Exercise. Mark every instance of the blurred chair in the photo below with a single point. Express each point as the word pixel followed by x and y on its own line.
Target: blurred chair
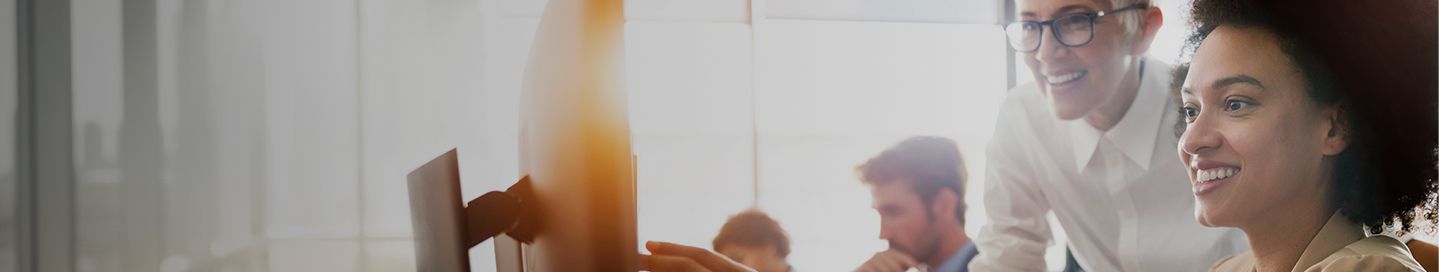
pixel 1425 253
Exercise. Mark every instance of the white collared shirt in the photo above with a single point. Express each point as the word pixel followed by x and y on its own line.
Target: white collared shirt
pixel 1121 196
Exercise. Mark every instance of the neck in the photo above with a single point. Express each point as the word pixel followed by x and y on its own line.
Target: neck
pixel 951 241
pixel 1279 242
pixel 1109 114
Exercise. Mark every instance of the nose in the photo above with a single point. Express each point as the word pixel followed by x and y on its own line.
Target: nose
pixel 1049 47
pixel 1200 136
pixel 884 231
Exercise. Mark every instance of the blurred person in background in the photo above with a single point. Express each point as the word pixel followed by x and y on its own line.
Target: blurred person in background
pixel 754 239
pixel 918 189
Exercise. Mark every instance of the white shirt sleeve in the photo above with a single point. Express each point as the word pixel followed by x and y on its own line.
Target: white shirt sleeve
pixel 1017 233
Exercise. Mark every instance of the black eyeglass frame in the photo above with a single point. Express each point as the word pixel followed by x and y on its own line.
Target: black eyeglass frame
pixel 1093 19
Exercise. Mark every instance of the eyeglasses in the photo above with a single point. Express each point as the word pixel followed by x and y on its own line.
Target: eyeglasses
pixel 1073 30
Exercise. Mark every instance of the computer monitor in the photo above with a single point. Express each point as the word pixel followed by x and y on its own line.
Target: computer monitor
pixel 437 214
pixel 574 148
pixel 575 141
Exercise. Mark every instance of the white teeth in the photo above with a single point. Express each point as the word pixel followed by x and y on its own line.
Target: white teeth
pixel 1065 78
pixel 1215 174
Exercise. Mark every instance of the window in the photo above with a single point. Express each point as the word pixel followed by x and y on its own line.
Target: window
pixel 825 96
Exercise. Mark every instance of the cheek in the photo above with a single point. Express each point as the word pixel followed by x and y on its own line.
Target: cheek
pixel 1246 141
pixel 1035 68
pixel 900 226
pixel 1103 61
pixel 1265 151
pixel 1108 52
pixel 1278 148
pixel 1111 38
pixel 909 225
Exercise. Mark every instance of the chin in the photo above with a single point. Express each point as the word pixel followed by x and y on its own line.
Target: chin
pixel 1203 221
pixel 1067 112
pixel 1207 218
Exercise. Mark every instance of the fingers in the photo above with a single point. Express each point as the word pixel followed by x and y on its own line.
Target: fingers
pixel 888 261
pixel 701 256
pixel 662 263
pixel 705 258
pixel 904 260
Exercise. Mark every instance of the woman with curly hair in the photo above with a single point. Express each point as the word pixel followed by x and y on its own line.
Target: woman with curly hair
pixel 1311 127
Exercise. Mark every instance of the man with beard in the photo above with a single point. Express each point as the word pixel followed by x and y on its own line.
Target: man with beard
pixel 918 190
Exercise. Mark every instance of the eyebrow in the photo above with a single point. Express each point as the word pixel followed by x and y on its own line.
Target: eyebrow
pixel 1061 11
pixel 1231 80
pixel 1236 79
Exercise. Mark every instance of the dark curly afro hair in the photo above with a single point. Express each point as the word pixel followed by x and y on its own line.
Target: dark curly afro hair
pixel 1380 60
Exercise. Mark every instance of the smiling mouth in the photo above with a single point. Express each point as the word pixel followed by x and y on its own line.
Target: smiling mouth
pixel 1065 78
pixel 1215 174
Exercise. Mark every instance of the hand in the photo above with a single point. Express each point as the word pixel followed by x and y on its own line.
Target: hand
pixel 669 257
pixel 888 261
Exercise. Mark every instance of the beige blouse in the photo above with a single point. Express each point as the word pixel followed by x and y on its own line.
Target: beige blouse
pixel 1339 246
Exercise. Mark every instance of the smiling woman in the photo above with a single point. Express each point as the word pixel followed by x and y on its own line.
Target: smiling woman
pixel 1308 141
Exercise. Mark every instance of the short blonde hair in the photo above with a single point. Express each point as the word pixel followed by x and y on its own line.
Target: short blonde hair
pixel 1130 20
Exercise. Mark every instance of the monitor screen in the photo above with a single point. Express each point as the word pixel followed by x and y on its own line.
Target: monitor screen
pixel 436 211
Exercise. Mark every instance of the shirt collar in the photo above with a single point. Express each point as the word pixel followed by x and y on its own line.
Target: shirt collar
pixel 1137 130
pixel 1336 233
pixel 958 261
